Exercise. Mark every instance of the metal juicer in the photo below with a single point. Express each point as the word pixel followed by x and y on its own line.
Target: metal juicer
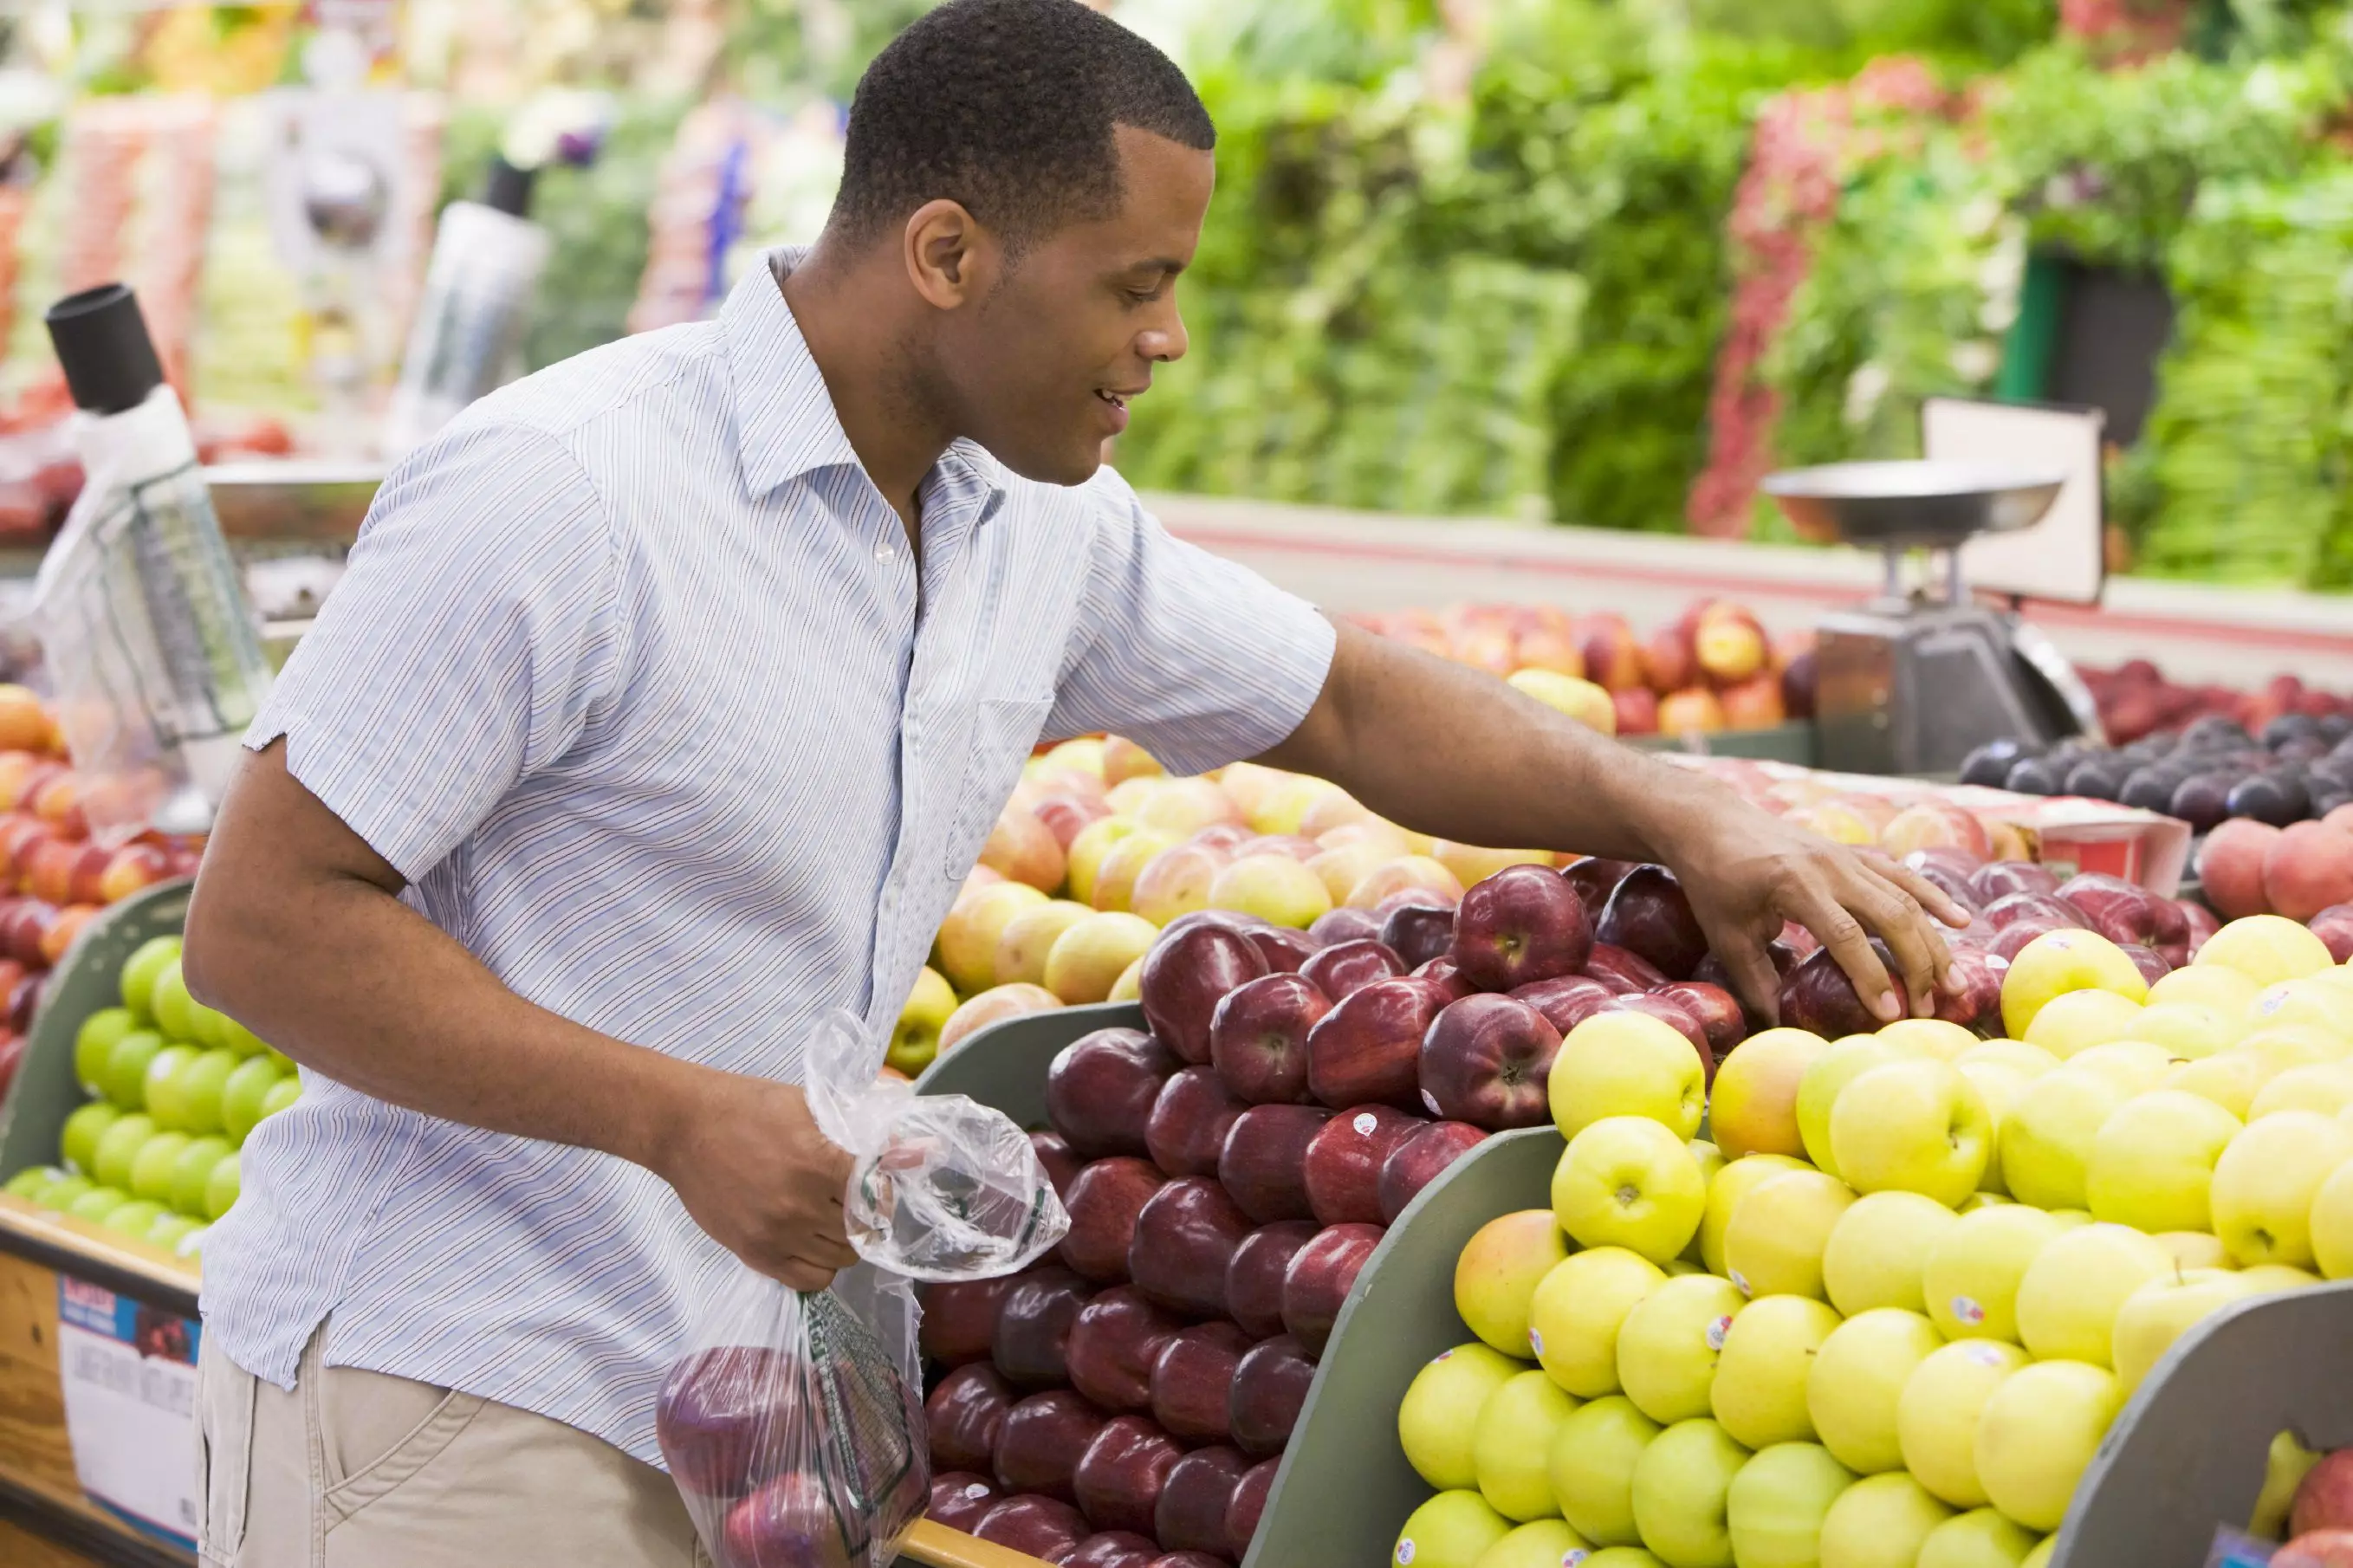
pixel 1918 676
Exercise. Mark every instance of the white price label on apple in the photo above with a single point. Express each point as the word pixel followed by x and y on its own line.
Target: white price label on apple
pixel 130 1377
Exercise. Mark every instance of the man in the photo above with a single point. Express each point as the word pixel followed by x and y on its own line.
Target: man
pixel 669 697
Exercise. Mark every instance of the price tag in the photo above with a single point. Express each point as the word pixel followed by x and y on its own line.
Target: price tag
pixel 130 1377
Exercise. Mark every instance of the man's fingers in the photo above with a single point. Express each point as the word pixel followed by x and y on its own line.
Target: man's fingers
pixel 1753 978
pixel 798 1275
pixel 1924 892
pixel 826 1251
pixel 1849 945
pixel 1899 923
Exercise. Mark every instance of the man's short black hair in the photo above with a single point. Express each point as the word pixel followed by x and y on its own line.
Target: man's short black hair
pixel 1006 107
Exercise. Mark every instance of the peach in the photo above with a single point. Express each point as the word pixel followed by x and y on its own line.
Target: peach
pixel 1406 873
pixel 133 867
pixel 1024 850
pixel 1083 755
pixel 1087 959
pixel 1935 825
pixel 1176 882
pixel 1120 865
pixel 1491 649
pixel 1755 704
pixel 1472 865
pixel 2341 819
pixel 2007 841
pixel 1668 664
pixel 1386 836
pixel 2307 868
pixel 1581 699
pixel 1122 760
pixel 1127 797
pixel 2231 866
pixel 1694 710
pixel 17 774
pixel 1728 645
pixel 966 943
pixel 90 861
pixel 62 931
pixel 1551 648
pixel 1332 811
pixel 1064 813
pixel 1293 845
pixel 1272 886
pixel 1248 784
pixel 1341 868
pixel 994 1007
pixel 1284 808
pixel 1188 805
pixel 1612 659
pixel 22 723
pixel 976 878
pixel 1637 710
pixel 49 869
pixel 1028 937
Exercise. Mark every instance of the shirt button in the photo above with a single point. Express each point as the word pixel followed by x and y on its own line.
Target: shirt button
pixel 883 552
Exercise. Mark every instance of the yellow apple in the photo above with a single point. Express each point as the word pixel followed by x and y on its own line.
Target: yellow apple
pixel 1775 1509
pixel 1626 1064
pixel 1998 1084
pixel 1880 1522
pixel 1440 1411
pixel 2312 1001
pixel 1087 959
pixel 2068 1300
pixel 2133 1065
pixel 1857 1378
pixel 2154 1158
pixel 1591 1463
pixel 1128 792
pixel 1878 1249
pixel 1630 1181
pixel 1934 1036
pixel 2057 963
pixel 1774 1245
pixel 1406 873
pixel 1121 861
pixel 1509 1444
pixel 1247 784
pixel 2285 1465
pixel 1668 1345
pixel 1342 867
pixel 1028 938
pixel 1588 704
pixel 1184 807
pixel 1981 1537
pixel 1498 1272
pixel 1283 806
pixel 1681 1485
pixel 2032 1062
pixel 915 1039
pixel 2267 949
pixel 1274 887
pixel 1972 1274
pixel 2194 1248
pixel 1725 1190
pixel 2228 1079
pixel 2041 1556
pixel 968 936
pixel 2188 1030
pixel 1754 1107
pixel 1452 1530
pixel 2038 1432
pixel 2046 1139
pixel 1539 1543
pixel 2271 1278
pixel 2331 1223
pixel 1574 1316
pixel 2327 1088
pixel 2212 985
pixel 994 1006
pixel 1936 1415
pixel 1473 864
pixel 1087 851
pixel 2075 1021
pixel 1759 1392
pixel 1129 987
pixel 1827 1075
pixel 2160 1311
pixel 2265 1181
pixel 2275 1051
pixel 1916 1126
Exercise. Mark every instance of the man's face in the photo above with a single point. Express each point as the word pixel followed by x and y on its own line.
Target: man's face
pixel 1043 367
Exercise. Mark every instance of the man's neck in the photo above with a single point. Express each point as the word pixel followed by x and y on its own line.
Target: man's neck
pixel 850 325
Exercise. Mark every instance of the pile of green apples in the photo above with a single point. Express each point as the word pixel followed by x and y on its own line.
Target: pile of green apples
pixel 1884 1316
pixel 174 1088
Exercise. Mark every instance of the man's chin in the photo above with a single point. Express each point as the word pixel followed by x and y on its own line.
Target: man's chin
pixel 1067 469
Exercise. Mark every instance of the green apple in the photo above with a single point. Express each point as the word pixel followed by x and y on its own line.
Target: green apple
pixel 282 1094
pixel 203 1087
pixel 1916 1126
pixel 173 1009
pixel 1759 1392
pixel 1592 1461
pixel 1667 1346
pixel 1878 1249
pixel 1936 1415
pixel 1630 1181
pixel 285 1063
pixel 1880 1522
pixel 170 1229
pixel 126 1067
pixel 95 1204
pixel 2152 1160
pixel 1680 1484
pixel 134 1218
pixel 1574 1316
pixel 2068 1300
pixel 1972 1274
pixel 1775 1242
pixel 242 1094
pixel 94 1043
pixel 118 1146
pixel 2331 1222
pixel 2162 1311
pixel 2265 1181
pixel 2135 1064
pixel 221 1187
pixel 2046 1139
pixel 1826 1076
pixel 1775 1509
pixel 2041 1556
pixel 226 1031
pixel 915 1040
pixel 160 1090
pixel 1450 1531
pixel 1622 1557
pixel 1512 1442
pixel 1980 1538
pixel 192 1169
pixel 32 1181
pixel 2058 962
pixel 1440 1411
pixel 63 1194
pixel 1539 1543
pixel 2037 1433
pixel 1497 1273
pixel 84 1127
pixel 1626 1063
pixel 151 1167
pixel 1856 1382
pixel 1725 1190
pixel 140 971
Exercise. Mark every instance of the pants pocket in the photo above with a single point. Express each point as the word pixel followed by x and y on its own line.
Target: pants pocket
pixel 357 1410
pixel 225 1402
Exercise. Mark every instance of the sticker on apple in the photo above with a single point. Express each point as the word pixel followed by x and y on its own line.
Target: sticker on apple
pixel 1965 1310
pixel 1740 1283
pixel 1717 1330
pixel 1364 1123
pixel 1535 1344
pixel 1405 1548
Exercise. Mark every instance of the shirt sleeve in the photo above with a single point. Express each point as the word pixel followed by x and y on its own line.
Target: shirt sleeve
pixel 1201 661
pixel 473 630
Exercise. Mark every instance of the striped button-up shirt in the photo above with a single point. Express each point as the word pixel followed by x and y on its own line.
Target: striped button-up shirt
pixel 634 679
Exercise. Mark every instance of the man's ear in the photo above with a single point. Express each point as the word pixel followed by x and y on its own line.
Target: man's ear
pixel 951 258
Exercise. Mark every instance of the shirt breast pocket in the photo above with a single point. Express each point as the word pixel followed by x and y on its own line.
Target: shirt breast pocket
pixel 1004 732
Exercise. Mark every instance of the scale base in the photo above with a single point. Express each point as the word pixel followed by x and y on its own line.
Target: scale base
pixel 1915 691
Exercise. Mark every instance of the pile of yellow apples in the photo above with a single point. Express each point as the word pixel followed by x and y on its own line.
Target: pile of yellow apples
pixel 1886 1313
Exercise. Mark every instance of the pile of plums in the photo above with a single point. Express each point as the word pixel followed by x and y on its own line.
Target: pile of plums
pixel 2301 767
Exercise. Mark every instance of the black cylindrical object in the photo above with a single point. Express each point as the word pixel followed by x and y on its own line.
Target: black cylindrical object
pixel 509 190
pixel 102 344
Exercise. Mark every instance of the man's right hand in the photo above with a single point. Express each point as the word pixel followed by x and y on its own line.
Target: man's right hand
pixel 747 1161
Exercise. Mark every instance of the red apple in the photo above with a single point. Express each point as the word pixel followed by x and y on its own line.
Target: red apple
pixel 86 884
pixel 2011 939
pixel 1040 1526
pixel 1257 1037
pixel 25 927
pixel 1264 1163
pixel 1975 998
pixel 1716 1009
pixel 1188 1124
pixel 1103 1204
pixel 1817 995
pixel 1419 931
pixel 1099 1088
pixel 1347 967
pixel 1061 1161
pixel 1624 971
pixel 1342 1166
pixel 1255 1274
pixel 2201 923
pixel 1649 916
pixel 1368 1047
pixel 1249 1507
pixel 716 1416
pixel 1613 659
pixel 964 1416
pixel 1187 974
pixel 1112 1548
pixel 1038 1447
pixel 1065 812
pixel 959 1498
pixel 1521 925
pixel 1118 1476
pixel 1284 950
pixel 1188 1560
pixel 1112 1345
pixel 2054 911
pixel 2124 912
pixel 1344 925
pixel 1994 882
pixel 2318 1548
pixel 790 1520
pixel 1190 1379
pixel 1200 1490
pixel 1033 1326
pixel 1441 973
pixel 1566 1002
pixel 2324 1499
pixel 1667 661
pixel 2333 926
pixel 1669 1011
pixel 1637 710
pixel 1484 1060
pixel 1594 880
pixel 2152 964
pixel 1416 1162
pixel 1186 1237
pixel 960 1319
pixel 1321 1274
pixel 1269 1387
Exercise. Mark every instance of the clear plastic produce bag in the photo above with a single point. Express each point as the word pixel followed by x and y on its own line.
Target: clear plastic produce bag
pixel 795 1428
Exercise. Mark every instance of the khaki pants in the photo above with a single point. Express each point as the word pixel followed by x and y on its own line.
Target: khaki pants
pixel 356 1469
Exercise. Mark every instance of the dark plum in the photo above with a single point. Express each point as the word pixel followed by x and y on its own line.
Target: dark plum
pixel 2034 776
pixel 2203 800
pixel 1990 763
pixel 2276 799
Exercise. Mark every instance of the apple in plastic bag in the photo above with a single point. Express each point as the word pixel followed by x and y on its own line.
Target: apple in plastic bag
pixel 788 1523
pixel 717 1418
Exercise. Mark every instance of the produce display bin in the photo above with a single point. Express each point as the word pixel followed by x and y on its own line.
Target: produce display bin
pixel 1793 742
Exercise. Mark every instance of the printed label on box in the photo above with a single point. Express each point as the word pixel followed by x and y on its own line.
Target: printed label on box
pixel 129 1377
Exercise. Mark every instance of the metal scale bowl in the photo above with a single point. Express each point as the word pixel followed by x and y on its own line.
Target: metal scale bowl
pixel 1917 679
